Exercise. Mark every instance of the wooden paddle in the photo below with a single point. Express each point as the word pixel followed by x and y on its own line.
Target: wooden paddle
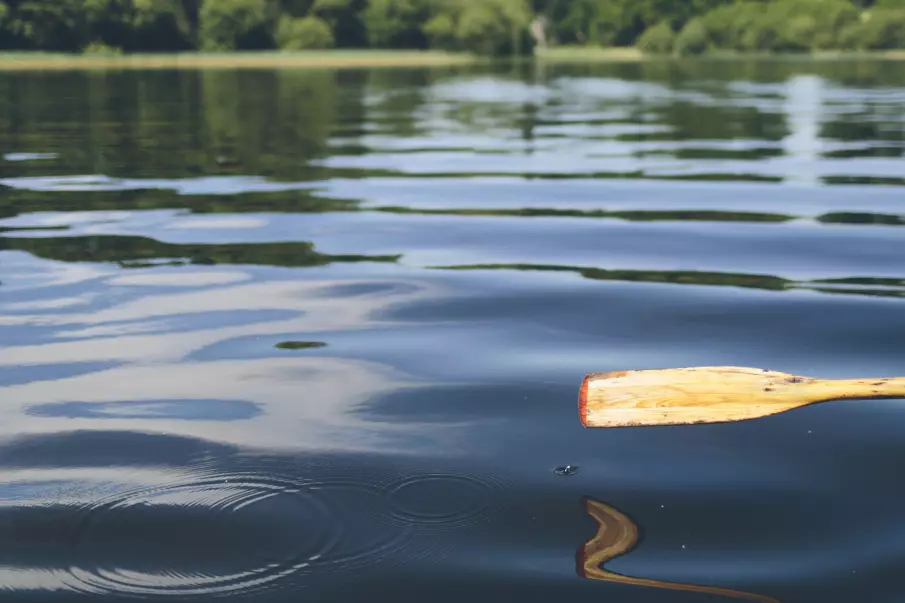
pixel 711 394
pixel 617 535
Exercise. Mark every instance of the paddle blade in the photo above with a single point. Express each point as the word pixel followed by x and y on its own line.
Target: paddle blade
pixel 685 396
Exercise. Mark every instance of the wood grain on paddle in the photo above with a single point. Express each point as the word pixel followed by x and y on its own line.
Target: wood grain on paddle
pixel 712 394
pixel 616 536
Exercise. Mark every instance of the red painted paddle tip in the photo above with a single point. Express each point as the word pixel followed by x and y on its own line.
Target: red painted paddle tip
pixel 583 401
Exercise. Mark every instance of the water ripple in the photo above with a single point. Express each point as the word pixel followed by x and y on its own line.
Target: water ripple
pixel 229 543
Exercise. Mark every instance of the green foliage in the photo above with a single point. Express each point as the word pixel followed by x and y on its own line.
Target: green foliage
pixel 658 39
pixel 162 24
pixel 882 29
pixel 743 26
pixel 235 24
pixel 692 39
pixel 811 24
pixel 675 12
pixel 597 21
pixel 396 23
pixel 42 25
pixel 779 25
pixel 101 49
pixel 488 27
pixel 307 33
pixel 344 17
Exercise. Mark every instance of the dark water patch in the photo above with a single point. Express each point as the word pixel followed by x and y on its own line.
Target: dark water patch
pixel 699 326
pixel 183 410
pixel 300 345
pixel 22 374
pixel 90 448
pixel 461 404
pixel 243 525
pixel 325 525
pixel 438 502
pixel 352 290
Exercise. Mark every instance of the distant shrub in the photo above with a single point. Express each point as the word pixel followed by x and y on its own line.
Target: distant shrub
pixel 883 29
pixel 734 26
pixel 762 36
pixel 488 27
pixel 307 33
pixel 101 49
pixel 396 23
pixel 441 31
pixel 851 37
pixel 811 24
pixel 778 25
pixel 797 34
pixel 234 24
pixel 833 19
pixel 658 39
pixel 692 39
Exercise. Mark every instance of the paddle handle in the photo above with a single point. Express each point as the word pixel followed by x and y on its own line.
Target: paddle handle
pixel 838 389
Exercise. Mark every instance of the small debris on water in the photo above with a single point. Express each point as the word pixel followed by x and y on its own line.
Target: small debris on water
pixel 566 470
pixel 299 345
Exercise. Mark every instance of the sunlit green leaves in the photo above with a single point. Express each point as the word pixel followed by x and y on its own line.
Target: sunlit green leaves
pixel 489 27
pixel 303 33
pixel 789 26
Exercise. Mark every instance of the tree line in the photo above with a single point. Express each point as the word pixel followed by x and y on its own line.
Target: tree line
pixel 488 27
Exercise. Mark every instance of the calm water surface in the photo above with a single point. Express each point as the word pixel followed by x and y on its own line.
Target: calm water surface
pixel 312 335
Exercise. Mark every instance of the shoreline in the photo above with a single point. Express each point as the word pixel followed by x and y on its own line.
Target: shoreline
pixel 586 54
pixel 333 59
pixel 338 59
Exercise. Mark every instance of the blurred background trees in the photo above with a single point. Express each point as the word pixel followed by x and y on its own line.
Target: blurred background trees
pixel 489 27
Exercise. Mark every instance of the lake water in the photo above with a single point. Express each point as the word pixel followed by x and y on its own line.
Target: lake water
pixel 318 335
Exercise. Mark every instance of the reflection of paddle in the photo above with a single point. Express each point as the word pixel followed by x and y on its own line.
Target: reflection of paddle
pixel 618 535
pixel 711 394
